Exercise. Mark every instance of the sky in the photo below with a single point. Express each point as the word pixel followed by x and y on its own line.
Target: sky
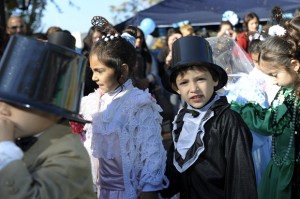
pixel 77 19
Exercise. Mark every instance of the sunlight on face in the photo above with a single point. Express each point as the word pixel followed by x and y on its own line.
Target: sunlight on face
pixel 196 87
pixel 104 76
pixel 279 75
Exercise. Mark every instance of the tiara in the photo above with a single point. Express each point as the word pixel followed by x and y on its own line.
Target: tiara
pixel 99 21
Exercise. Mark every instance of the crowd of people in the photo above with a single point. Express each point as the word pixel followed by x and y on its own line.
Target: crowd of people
pixel 95 124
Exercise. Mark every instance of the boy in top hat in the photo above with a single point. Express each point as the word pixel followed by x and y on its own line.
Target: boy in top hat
pixel 211 152
pixel 40 85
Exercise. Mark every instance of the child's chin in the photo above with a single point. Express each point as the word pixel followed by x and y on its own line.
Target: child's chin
pixel 196 105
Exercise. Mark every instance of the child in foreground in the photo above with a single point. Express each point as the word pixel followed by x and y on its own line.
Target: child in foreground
pixel 126 124
pixel 279 59
pixel 39 156
pixel 211 152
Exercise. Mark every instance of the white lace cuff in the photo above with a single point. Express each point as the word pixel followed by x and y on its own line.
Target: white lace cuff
pixel 9 152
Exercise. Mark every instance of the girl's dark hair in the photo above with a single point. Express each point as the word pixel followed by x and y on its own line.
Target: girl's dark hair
pixel 113 50
pixel 88 40
pixel 247 18
pixel 144 48
pixel 279 51
pixel 225 23
pixel 293 28
pixel 255 44
pixel 171 31
pixel 132 30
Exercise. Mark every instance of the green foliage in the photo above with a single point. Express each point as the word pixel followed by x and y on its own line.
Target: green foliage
pixel 33 15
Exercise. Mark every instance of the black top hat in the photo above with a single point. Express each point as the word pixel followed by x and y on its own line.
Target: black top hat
pixel 193 50
pixel 43 76
pixel 62 38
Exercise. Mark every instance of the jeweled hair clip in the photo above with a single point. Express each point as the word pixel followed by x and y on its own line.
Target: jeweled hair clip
pixel 109 37
pixel 99 21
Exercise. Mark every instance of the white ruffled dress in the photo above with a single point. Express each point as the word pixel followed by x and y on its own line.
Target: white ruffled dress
pixel 126 138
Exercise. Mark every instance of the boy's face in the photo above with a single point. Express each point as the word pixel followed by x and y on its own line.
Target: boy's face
pixel 21 122
pixel 195 87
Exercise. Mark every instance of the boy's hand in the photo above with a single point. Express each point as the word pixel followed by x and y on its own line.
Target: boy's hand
pixel 6 130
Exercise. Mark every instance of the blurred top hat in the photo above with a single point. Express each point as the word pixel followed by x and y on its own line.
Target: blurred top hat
pixel 40 75
pixel 192 51
pixel 62 38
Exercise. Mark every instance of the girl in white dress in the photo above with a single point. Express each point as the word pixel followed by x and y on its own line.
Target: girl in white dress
pixel 126 124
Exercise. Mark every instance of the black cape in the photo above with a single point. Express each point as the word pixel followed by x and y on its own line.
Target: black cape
pixel 225 168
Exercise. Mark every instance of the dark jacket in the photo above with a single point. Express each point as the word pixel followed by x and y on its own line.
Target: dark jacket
pixel 225 168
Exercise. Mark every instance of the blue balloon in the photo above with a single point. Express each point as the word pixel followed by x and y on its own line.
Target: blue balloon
pixel 147 25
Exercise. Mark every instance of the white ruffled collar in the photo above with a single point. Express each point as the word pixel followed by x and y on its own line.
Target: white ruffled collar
pixel 106 108
pixel 191 127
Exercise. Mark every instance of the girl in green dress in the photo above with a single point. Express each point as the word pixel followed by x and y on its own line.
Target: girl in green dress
pixel 279 58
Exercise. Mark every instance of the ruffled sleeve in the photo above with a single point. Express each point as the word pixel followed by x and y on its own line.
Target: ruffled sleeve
pixel 88 106
pixel 145 122
pixel 257 118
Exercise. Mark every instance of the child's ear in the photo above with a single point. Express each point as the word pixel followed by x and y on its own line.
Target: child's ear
pixel 216 83
pixel 4 109
pixel 124 69
pixel 296 65
pixel 174 87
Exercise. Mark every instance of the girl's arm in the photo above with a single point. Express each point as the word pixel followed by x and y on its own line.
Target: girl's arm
pixel 257 118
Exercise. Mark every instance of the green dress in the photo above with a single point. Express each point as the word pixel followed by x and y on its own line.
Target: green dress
pixel 281 121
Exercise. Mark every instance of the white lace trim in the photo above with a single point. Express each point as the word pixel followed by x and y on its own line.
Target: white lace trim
pixel 134 121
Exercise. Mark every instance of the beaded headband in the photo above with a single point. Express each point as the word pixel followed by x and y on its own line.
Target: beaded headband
pixel 103 25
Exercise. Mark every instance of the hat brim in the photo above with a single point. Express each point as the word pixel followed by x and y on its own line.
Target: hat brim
pixel 48 108
pixel 166 80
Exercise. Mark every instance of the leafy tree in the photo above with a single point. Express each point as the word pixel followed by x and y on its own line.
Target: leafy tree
pixel 34 12
pixel 129 8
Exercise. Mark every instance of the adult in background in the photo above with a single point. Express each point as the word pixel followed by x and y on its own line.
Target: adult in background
pixel 15 25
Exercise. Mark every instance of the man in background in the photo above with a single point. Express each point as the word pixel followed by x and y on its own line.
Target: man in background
pixel 15 25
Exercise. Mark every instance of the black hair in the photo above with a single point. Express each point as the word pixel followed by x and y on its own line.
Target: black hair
pixel 112 50
pixel 255 44
pixel 183 69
